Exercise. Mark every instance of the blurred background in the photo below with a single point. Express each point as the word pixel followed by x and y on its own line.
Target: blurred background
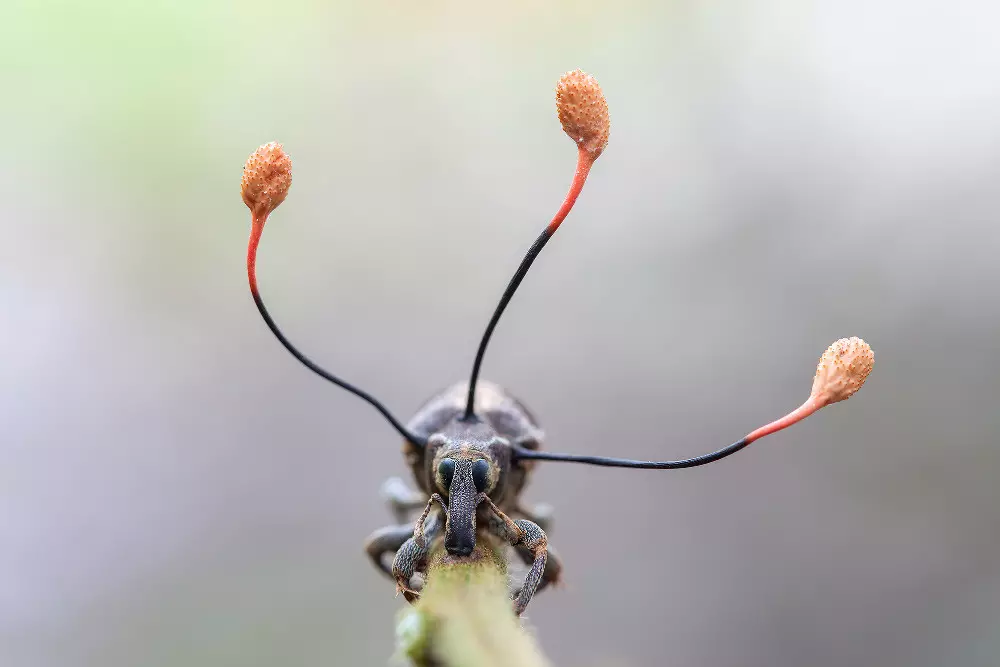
pixel 176 490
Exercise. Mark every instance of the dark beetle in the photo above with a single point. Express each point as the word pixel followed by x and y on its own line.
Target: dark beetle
pixel 470 480
pixel 472 446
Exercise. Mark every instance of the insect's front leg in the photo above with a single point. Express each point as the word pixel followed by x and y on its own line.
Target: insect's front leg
pixel 386 540
pixel 402 500
pixel 412 556
pixel 521 533
pixel 552 574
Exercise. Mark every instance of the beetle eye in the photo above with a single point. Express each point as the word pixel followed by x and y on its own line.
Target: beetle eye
pixel 446 469
pixel 480 474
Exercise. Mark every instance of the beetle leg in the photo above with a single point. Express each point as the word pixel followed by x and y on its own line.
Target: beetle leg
pixel 401 498
pixel 412 555
pixel 552 574
pixel 410 559
pixel 386 540
pixel 521 533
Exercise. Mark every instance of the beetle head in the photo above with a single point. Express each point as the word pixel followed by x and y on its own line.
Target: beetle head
pixel 467 461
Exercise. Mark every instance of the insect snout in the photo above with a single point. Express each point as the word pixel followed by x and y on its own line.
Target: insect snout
pixel 463 480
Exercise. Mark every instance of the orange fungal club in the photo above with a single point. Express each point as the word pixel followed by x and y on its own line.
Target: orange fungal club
pixel 583 111
pixel 842 370
pixel 267 176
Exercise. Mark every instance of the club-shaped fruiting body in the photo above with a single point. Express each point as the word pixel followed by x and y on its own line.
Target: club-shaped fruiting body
pixel 842 370
pixel 471 452
pixel 267 176
pixel 583 111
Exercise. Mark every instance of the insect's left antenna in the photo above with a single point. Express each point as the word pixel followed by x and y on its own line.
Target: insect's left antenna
pixel 267 176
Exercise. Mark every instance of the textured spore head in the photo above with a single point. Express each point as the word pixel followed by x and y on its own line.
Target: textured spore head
pixel 267 175
pixel 842 370
pixel 583 111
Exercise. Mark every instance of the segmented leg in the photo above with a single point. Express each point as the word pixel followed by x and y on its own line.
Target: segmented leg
pixel 522 533
pixel 401 498
pixel 386 540
pixel 412 555
pixel 553 567
pixel 542 514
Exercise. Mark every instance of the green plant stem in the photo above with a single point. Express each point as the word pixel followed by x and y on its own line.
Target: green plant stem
pixel 465 618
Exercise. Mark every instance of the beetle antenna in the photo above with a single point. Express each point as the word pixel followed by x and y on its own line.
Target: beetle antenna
pixel 583 113
pixel 841 371
pixel 267 177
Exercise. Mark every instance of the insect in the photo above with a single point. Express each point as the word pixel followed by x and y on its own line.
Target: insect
pixel 471 448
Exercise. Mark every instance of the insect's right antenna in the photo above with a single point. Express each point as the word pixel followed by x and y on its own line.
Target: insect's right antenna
pixel 583 112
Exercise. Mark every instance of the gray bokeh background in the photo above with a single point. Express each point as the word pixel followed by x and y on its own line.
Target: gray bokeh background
pixel 176 490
